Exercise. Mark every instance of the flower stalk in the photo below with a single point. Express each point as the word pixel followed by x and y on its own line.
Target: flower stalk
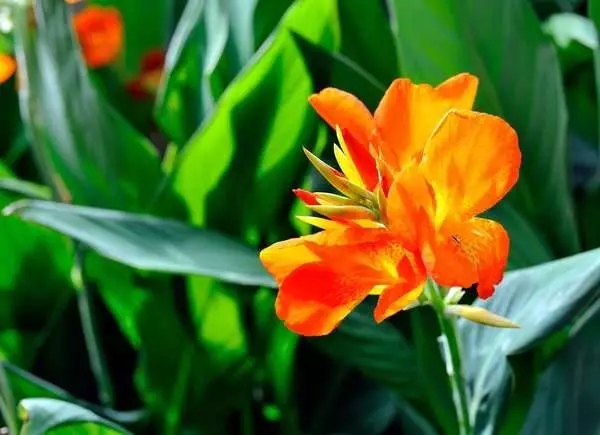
pixel 450 348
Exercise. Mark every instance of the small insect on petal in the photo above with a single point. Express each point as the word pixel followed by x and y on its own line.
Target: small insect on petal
pixel 480 315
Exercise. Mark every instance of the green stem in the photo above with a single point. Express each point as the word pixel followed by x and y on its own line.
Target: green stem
pixel 90 334
pixel 450 347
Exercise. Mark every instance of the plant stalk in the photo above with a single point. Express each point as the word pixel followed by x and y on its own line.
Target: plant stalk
pixel 90 333
pixel 450 348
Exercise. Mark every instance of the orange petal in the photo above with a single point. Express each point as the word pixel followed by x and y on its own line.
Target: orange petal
pixel 315 298
pixel 410 208
pixel 282 258
pixel 397 297
pixel 472 252
pixel 472 160
pixel 408 114
pixel 8 67
pixel 100 33
pixel 339 108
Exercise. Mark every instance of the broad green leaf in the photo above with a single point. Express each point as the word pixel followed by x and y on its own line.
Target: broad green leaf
pixel 542 300
pixel 56 417
pixel 185 97
pixel 267 14
pixel 25 385
pixel 567 389
pixel 251 144
pixel 371 16
pixel 189 381
pixel 85 150
pixel 502 43
pixel 33 281
pixel 337 70
pixel 379 351
pixel 149 243
pixel 594 14
pixel 25 188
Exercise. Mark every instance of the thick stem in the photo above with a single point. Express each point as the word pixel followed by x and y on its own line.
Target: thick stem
pixel 450 348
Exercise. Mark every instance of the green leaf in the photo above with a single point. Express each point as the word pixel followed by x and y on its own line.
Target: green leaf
pixel 575 37
pixel 502 43
pixel 334 69
pixel 542 300
pixel 267 14
pixel 594 14
pixel 251 144
pixel 193 381
pixel 355 19
pixel 185 97
pixel 567 389
pixel 52 416
pixel 25 188
pixel 149 243
pixel 379 351
pixel 85 150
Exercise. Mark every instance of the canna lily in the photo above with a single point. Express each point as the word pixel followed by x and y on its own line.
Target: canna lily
pixel 7 67
pixel 100 33
pixel 146 84
pixel 414 176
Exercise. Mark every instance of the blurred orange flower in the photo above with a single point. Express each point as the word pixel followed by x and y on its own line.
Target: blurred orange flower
pixel 7 67
pixel 145 85
pixel 415 175
pixel 100 33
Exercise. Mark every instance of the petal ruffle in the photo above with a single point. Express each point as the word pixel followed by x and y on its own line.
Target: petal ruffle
pixel 408 113
pixel 472 160
pixel 340 108
pixel 475 251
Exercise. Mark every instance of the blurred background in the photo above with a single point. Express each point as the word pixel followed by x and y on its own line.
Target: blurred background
pixel 147 152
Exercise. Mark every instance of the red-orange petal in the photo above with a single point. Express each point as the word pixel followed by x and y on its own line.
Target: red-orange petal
pixel 408 114
pixel 472 160
pixel 100 33
pixel 315 298
pixel 412 277
pixel 472 252
pixel 362 159
pixel 306 197
pixel 340 108
pixel 8 67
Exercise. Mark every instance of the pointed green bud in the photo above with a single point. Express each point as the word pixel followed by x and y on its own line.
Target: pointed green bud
pixel 480 315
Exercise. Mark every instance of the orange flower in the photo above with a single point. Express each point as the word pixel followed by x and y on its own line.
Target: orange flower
pixel 414 177
pixel 146 84
pixel 100 33
pixel 7 67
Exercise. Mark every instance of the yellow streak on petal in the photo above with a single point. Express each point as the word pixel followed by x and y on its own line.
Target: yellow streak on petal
pixel 347 166
pixel 324 224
